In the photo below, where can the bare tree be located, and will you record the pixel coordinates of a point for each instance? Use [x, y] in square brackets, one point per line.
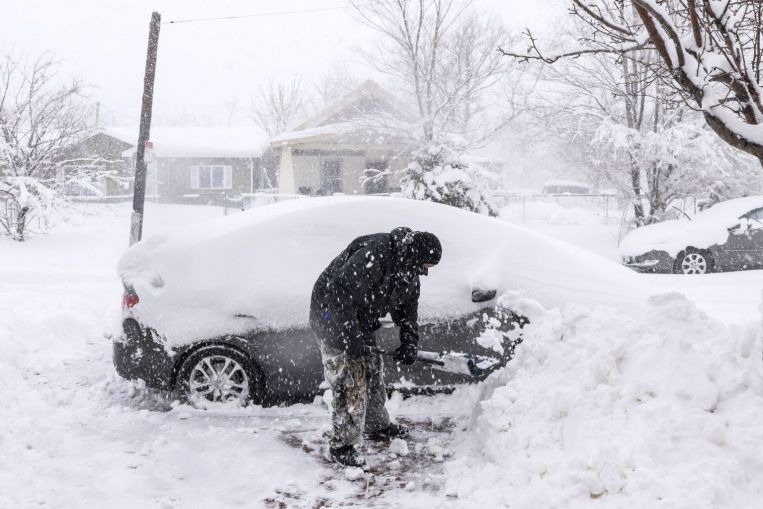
[38, 119]
[276, 106]
[443, 54]
[710, 49]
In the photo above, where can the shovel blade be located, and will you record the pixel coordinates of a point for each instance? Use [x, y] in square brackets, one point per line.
[460, 363]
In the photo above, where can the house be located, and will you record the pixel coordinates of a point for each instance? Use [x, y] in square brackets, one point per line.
[348, 147]
[94, 166]
[192, 164]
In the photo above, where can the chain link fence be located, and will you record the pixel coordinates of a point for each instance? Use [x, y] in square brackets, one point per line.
[524, 208]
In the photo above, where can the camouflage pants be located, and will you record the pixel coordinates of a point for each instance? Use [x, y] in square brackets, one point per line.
[359, 395]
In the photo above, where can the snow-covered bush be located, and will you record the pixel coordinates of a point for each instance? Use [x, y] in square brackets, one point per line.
[21, 199]
[440, 175]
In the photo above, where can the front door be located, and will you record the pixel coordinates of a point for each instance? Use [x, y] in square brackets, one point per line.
[331, 177]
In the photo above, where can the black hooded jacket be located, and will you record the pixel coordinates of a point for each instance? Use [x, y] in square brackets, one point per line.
[370, 278]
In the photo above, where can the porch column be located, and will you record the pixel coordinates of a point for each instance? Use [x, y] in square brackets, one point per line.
[286, 172]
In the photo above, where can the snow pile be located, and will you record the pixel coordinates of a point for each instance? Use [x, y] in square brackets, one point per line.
[399, 447]
[603, 410]
[708, 228]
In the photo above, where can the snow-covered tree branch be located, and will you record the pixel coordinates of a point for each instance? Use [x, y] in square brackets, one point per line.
[711, 49]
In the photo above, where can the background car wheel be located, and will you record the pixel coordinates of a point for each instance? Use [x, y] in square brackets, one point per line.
[219, 374]
[693, 261]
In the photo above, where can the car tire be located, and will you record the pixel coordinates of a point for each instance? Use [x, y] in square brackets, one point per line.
[693, 261]
[219, 375]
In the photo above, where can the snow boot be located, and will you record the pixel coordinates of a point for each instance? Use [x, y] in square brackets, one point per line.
[347, 456]
[394, 430]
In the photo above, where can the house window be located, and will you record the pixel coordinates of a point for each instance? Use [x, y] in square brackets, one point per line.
[331, 177]
[212, 177]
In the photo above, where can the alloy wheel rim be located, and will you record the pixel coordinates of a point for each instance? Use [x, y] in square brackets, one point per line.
[219, 379]
[694, 263]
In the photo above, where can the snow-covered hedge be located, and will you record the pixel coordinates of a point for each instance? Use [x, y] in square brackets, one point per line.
[440, 175]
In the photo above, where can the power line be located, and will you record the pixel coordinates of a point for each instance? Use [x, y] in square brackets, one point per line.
[255, 15]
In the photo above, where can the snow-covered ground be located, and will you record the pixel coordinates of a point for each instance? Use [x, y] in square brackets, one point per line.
[598, 409]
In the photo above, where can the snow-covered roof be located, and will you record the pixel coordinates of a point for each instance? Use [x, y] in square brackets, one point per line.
[315, 132]
[367, 98]
[368, 109]
[197, 141]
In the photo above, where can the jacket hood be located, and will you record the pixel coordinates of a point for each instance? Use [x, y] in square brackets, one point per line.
[413, 249]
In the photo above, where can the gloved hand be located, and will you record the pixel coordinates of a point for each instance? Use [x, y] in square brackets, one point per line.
[406, 353]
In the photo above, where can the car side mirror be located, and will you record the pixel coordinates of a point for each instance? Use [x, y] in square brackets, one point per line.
[482, 295]
[744, 225]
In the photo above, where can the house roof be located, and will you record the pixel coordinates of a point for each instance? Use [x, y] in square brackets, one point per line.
[196, 141]
[315, 132]
[353, 112]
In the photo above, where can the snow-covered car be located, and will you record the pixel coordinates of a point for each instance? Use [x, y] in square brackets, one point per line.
[565, 187]
[228, 299]
[725, 237]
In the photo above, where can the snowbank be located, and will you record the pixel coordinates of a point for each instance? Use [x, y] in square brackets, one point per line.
[256, 269]
[602, 410]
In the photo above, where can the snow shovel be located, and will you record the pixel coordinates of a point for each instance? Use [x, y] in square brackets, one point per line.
[476, 366]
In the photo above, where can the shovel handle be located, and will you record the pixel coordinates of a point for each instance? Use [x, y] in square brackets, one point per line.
[425, 360]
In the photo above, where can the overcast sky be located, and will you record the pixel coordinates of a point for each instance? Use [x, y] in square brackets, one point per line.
[204, 64]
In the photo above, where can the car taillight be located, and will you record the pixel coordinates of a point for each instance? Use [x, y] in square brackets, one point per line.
[129, 300]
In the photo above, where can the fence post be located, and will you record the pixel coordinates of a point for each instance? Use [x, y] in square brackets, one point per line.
[524, 210]
[606, 209]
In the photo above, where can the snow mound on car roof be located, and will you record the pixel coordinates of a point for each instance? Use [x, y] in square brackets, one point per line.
[603, 410]
[708, 228]
[256, 269]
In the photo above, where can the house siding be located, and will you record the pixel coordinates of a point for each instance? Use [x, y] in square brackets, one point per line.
[110, 151]
[307, 167]
[174, 175]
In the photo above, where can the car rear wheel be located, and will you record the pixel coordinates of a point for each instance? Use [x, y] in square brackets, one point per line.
[219, 375]
[693, 261]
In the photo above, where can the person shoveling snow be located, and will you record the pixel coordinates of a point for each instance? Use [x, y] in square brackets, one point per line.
[375, 275]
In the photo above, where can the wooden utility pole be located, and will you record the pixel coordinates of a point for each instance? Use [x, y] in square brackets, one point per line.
[139, 192]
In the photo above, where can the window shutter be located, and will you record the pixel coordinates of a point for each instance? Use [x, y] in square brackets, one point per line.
[194, 177]
[228, 182]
